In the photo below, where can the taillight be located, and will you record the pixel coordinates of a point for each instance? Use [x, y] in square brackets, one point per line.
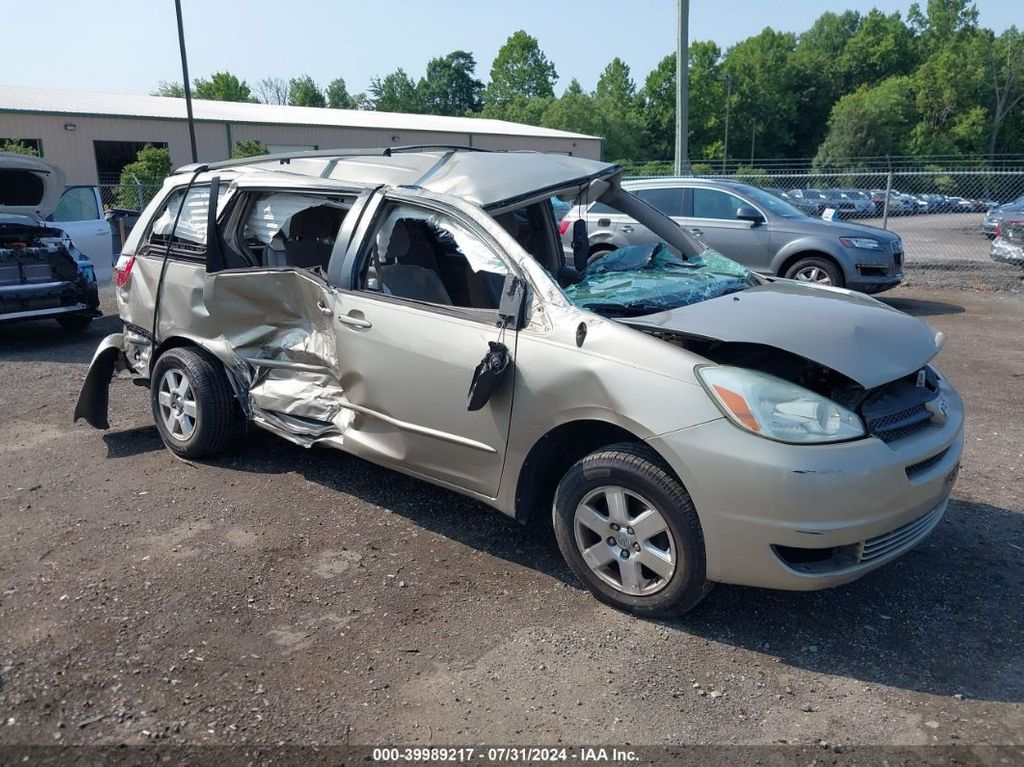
[563, 226]
[123, 270]
[999, 230]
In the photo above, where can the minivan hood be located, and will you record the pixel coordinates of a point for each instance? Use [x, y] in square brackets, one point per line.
[855, 335]
[29, 186]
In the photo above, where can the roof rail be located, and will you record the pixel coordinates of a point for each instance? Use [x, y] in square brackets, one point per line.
[286, 157]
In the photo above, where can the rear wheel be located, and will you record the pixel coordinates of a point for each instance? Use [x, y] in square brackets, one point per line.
[819, 271]
[193, 405]
[629, 531]
[74, 321]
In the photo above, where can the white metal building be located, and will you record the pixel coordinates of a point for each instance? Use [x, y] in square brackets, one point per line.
[91, 136]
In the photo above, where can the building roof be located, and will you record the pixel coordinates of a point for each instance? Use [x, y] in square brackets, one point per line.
[15, 98]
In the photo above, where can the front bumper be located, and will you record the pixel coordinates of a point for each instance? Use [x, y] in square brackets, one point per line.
[48, 299]
[761, 503]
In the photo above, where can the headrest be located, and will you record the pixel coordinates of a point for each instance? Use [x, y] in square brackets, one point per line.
[313, 223]
[397, 242]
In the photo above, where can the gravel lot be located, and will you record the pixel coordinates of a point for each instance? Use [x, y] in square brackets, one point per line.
[286, 595]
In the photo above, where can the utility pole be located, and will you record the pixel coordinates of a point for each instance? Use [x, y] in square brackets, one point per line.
[728, 101]
[753, 132]
[188, 88]
[683, 88]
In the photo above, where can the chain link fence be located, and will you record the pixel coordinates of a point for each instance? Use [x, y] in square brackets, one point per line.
[948, 219]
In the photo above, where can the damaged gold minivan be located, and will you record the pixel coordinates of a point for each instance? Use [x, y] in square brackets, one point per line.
[684, 420]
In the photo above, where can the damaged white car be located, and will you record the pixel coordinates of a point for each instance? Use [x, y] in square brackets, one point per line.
[683, 420]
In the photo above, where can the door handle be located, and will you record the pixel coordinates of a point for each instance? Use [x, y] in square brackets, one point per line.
[627, 228]
[325, 310]
[353, 321]
[696, 232]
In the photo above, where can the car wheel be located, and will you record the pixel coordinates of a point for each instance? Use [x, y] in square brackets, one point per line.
[74, 321]
[193, 405]
[628, 529]
[819, 271]
[599, 250]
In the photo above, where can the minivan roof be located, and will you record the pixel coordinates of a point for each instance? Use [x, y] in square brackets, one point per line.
[489, 179]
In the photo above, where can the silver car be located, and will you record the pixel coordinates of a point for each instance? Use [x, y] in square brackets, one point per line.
[754, 228]
[683, 420]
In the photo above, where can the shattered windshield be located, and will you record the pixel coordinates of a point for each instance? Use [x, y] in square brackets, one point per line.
[643, 279]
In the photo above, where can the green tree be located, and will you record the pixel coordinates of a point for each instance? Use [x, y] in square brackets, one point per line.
[450, 86]
[396, 92]
[140, 178]
[948, 87]
[249, 148]
[16, 146]
[520, 73]
[338, 96]
[1006, 76]
[574, 111]
[767, 95]
[222, 86]
[304, 92]
[658, 109]
[881, 47]
[870, 122]
[942, 20]
[169, 89]
[707, 101]
[615, 103]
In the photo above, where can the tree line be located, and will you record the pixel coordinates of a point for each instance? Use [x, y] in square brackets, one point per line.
[853, 86]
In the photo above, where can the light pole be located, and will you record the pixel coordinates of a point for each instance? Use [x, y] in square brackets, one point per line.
[683, 88]
[728, 102]
[753, 132]
[188, 88]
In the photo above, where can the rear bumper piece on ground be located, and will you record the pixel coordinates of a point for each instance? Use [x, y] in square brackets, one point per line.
[47, 299]
[94, 399]
[812, 517]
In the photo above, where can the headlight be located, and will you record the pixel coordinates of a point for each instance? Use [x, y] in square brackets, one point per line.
[866, 243]
[777, 409]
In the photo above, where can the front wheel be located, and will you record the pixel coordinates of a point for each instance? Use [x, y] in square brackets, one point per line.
[628, 529]
[193, 405]
[819, 271]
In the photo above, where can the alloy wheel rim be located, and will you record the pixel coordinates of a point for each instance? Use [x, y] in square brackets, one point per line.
[177, 405]
[814, 274]
[625, 540]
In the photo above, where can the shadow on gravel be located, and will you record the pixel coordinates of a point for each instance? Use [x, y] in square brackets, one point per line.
[46, 341]
[123, 444]
[946, 618]
[919, 308]
[431, 508]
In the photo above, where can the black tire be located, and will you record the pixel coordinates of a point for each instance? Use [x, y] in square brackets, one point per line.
[835, 274]
[637, 469]
[74, 321]
[599, 250]
[218, 419]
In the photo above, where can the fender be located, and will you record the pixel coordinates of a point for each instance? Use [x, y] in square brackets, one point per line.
[809, 245]
[94, 399]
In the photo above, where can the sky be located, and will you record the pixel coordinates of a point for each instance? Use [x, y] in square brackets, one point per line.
[129, 46]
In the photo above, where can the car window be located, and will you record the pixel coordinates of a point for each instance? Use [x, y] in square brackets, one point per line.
[711, 203]
[427, 256]
[190, 232]
[669, 200]
[78, 203]
[601, 209]
[288, 229]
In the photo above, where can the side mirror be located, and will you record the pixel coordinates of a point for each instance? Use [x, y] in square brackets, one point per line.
[749, 214]
[580, 244]
[512, 307]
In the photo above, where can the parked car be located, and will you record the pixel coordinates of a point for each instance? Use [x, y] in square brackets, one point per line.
[995, 216]
[80, 215]
[807, 207]
[1008, 245]
[42, 272]
[811, 201]
[679, 416]
[897, 206]
[756, 229]
[854, 203]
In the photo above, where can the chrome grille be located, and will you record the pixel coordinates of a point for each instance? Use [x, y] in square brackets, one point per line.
[902, 537]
